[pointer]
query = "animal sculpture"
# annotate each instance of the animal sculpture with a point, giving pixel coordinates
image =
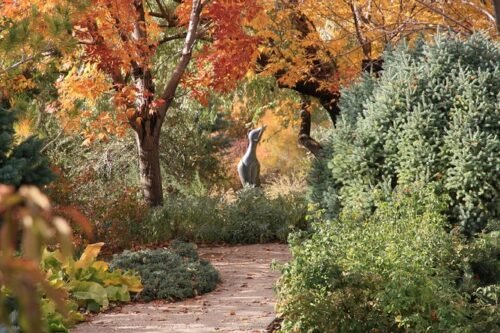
(249, 166)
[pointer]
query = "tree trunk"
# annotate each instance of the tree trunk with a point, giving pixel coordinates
(148, 119)
(305, 131)
(148, 145)
(496, 4)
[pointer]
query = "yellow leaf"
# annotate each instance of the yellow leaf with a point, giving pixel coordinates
(132, 282)
(89, 255)
(101, 265)
(23, 128)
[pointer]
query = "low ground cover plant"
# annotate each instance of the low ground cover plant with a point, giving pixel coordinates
(90, 282)
(171, 274)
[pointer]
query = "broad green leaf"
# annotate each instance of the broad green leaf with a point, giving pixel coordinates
(87, 290)
(118, 293)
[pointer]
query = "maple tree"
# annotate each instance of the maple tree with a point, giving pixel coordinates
(105, 50)
(314, 47)
(106, 53)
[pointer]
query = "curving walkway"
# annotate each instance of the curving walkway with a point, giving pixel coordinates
(243, 302)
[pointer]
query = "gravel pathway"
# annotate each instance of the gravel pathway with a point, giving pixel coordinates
(243, 302)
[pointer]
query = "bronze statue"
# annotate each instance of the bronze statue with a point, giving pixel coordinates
(249, 166)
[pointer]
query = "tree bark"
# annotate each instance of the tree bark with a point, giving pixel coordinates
(148, 119)
(496, 4)
(148, 148)
(373, 66)
(305, 138)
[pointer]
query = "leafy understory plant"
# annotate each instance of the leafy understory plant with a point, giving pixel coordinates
(89, 281)
(252, 217)
(395, 271)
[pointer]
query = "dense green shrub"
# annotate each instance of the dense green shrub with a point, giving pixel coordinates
(189, 148)
(255, 218)
(432, 116)
(485, 255)
(180, 217)
(20, 163)
(252, 217)
(395, 271)
(171, 274)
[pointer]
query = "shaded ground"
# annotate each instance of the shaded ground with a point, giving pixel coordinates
(243, 302)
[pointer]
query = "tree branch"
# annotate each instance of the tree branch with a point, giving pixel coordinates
(164, 14)
(483, 10)
(359, 34)
(25, 60)
(200, 35)
(162, 8)
(169, 92)
(443, 14)
(305, 138)
(54, 139)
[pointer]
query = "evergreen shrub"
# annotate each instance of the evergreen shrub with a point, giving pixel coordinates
(172, 274)
(433, 115)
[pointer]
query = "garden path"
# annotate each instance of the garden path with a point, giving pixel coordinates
(243, 302)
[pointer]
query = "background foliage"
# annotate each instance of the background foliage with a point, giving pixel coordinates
(249, 217)
(20, 160)
(383, 255)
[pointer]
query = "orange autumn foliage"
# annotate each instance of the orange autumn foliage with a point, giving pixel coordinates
(99, 49)
(297, 37)
(225, 60)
